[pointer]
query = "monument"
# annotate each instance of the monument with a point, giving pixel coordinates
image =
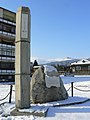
(47, 86)
(22, 60)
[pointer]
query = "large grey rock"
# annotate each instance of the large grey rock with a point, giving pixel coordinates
(40, 93)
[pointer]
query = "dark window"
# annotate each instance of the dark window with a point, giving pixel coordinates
(0, 26)
(78, 67)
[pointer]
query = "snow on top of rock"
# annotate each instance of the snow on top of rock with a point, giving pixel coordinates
(48, 68)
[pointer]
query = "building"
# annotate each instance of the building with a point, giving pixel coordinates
(81, 67)
(7, 45)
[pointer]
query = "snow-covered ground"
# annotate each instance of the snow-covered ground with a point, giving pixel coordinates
(71, 112)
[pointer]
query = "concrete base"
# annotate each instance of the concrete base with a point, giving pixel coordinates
(38, 112)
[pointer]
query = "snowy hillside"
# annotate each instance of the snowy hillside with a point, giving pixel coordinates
(58, 61)
(64, 62)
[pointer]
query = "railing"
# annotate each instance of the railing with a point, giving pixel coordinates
(72, 87)
(10, 93)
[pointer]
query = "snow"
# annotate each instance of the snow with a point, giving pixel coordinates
(75, 112)
(76, 78)
(81, 62)
(48, 68)
(51, 78)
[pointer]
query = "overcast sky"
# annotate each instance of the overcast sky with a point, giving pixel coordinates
(59, 28)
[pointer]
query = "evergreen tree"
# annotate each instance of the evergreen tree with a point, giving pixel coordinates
(35, 63)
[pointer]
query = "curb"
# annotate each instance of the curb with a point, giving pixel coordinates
(74, 103)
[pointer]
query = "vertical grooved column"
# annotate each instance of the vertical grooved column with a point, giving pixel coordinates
(22, 58)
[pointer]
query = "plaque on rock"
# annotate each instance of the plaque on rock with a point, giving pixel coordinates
(52, 81)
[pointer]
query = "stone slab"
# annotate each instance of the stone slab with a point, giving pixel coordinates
(37, 112)
(52, 81)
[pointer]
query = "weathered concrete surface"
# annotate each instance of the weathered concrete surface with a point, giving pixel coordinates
(22, 58)
(40, 113)
(40, 93)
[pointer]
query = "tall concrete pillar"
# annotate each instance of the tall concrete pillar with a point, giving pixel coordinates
(22, 60)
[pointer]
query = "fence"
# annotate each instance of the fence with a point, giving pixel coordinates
(72, 87)
(9, 94)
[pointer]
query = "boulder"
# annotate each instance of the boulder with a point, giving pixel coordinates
(47, 86)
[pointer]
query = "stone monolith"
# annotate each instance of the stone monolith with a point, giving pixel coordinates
(47, 86)
(22, 60)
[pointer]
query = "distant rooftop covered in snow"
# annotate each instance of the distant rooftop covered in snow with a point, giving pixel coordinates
(81, 62)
